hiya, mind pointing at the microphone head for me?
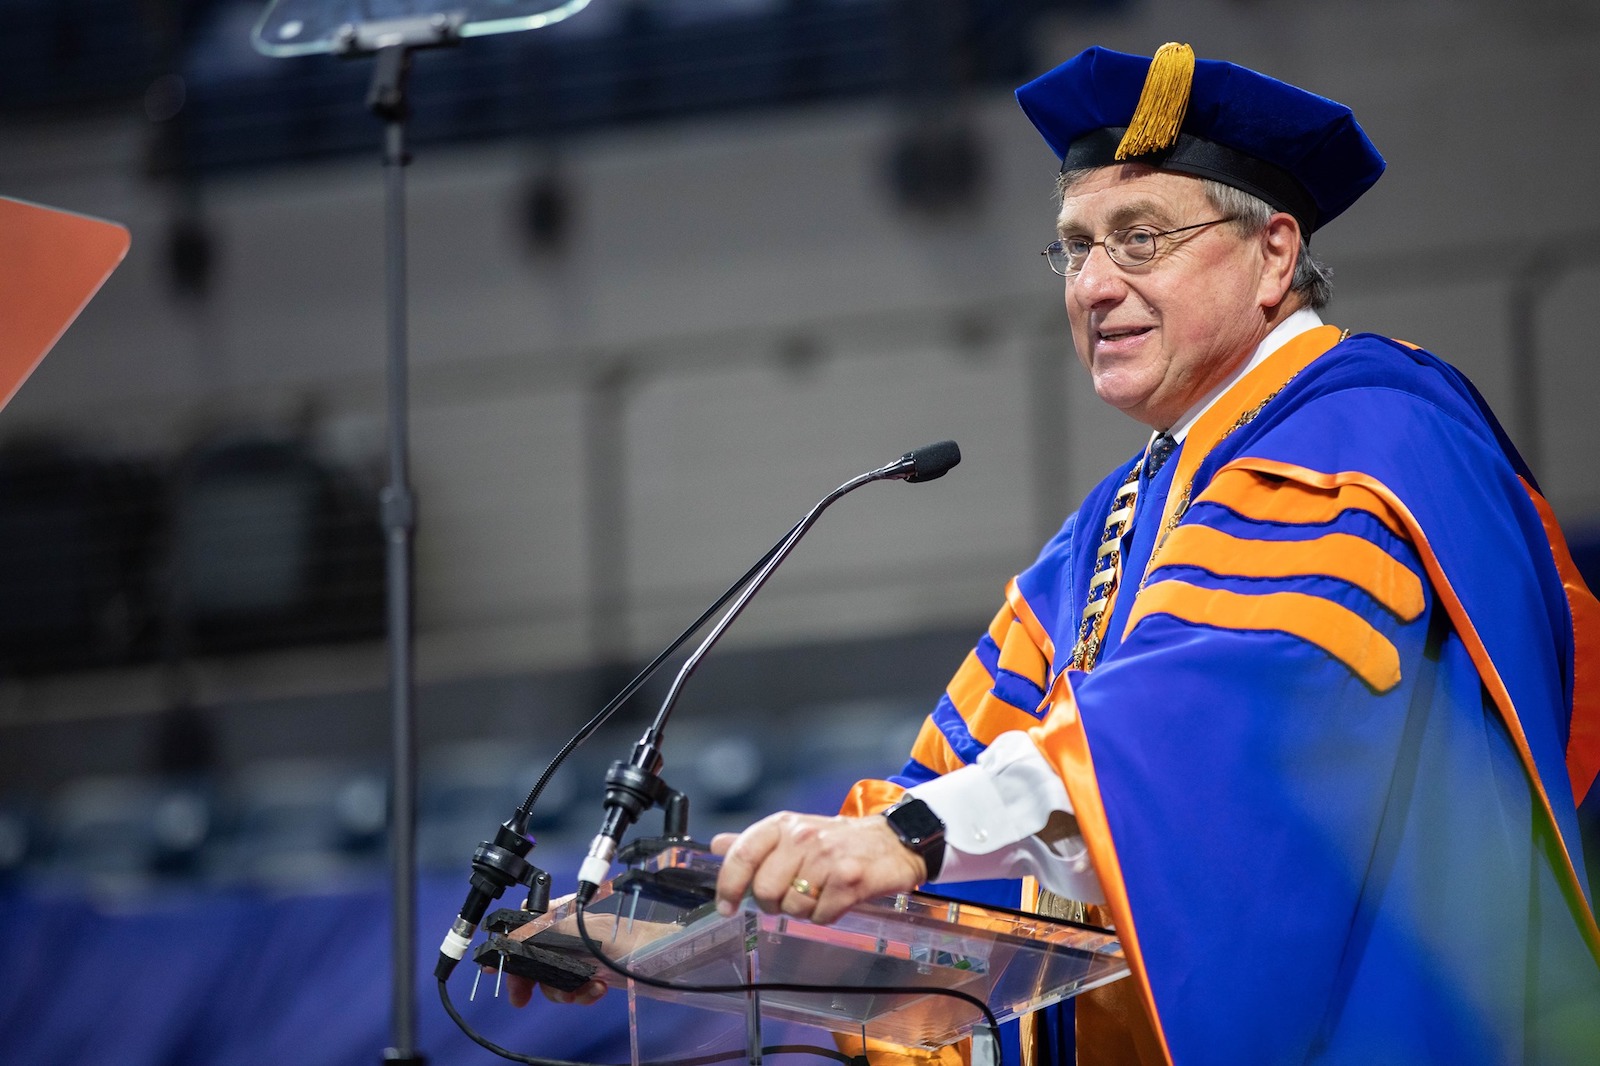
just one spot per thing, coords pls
(933, 460)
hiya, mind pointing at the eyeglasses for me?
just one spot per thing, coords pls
(1129, 247)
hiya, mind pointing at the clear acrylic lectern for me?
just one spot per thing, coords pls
(658, 920)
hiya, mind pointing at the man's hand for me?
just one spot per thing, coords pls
(520, 991)
(813, 867)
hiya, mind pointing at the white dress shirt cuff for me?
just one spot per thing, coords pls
(993, 810)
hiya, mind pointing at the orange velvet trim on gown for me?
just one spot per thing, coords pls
(1337, 630)
(1351, 559)
(1062, 740)
(1572, 885)
(1583, 740)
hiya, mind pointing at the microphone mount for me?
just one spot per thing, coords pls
(496, 866)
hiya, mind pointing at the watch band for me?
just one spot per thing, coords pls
(919, 829)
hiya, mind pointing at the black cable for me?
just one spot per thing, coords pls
(523, 812)
(484, 1042)
(786, 986)
(502, 863)
(698, 1060)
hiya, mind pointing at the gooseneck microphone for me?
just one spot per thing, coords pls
(633, 787)
(502, 862)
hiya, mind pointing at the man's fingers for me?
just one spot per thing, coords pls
(777, 885)
(740, 861)
(722, 842)
(800, 897)
(585, 995)
(830, 905)
(520, 991)
(808, 866)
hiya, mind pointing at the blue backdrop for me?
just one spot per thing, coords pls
(243, 978)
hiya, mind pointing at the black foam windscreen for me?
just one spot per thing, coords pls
(934, 460)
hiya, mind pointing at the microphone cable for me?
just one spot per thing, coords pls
(511, 844)
(698, 1060)
(632, 795)
(526, 809)
(503, 861)
(928, 463)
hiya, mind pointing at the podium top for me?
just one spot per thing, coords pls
(321, 27)
(51, 264)
(883, 966)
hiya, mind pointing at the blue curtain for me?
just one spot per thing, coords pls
(248, 979)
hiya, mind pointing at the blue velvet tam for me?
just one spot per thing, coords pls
(1301, 153)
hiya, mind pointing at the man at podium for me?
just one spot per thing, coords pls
(1305, 698)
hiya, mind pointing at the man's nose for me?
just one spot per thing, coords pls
(1100, 279)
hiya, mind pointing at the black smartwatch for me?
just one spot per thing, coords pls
(920, 830)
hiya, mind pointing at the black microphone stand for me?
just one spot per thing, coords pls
(633, 787)
(392, 43)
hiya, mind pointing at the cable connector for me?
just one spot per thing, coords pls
(496, 866)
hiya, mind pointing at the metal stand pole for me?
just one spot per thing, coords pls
(392, 44)
(398, 514)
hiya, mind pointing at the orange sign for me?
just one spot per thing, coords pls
(51, 264)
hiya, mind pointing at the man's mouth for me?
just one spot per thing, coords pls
(1112, 335)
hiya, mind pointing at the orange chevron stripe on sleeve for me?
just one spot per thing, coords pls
(970, 685)
(996, 716)
(1022, 610)
(1583, 738)
(1022, 655)
(971, 691)
(932, 750)
(1002, 622)
(1268, 499)
(1337, 630)
(972, 681)
(1348, 558)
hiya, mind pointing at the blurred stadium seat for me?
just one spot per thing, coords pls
(122, 834)
(302, 824)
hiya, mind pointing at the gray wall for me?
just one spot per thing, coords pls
(745, 319)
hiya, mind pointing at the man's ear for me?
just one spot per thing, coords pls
(1280, 248)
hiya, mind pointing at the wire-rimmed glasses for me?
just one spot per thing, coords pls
(1130, 246)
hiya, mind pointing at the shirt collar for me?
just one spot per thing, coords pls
(1297, 323)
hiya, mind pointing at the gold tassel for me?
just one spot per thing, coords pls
(1162, 102)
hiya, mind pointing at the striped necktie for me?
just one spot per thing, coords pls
(1108, 557)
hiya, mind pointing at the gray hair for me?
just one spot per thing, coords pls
(1313, 279)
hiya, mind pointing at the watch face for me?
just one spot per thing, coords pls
(915, 821)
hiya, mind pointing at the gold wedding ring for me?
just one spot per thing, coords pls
(802, 886)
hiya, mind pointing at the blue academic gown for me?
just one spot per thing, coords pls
(1336, 761)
